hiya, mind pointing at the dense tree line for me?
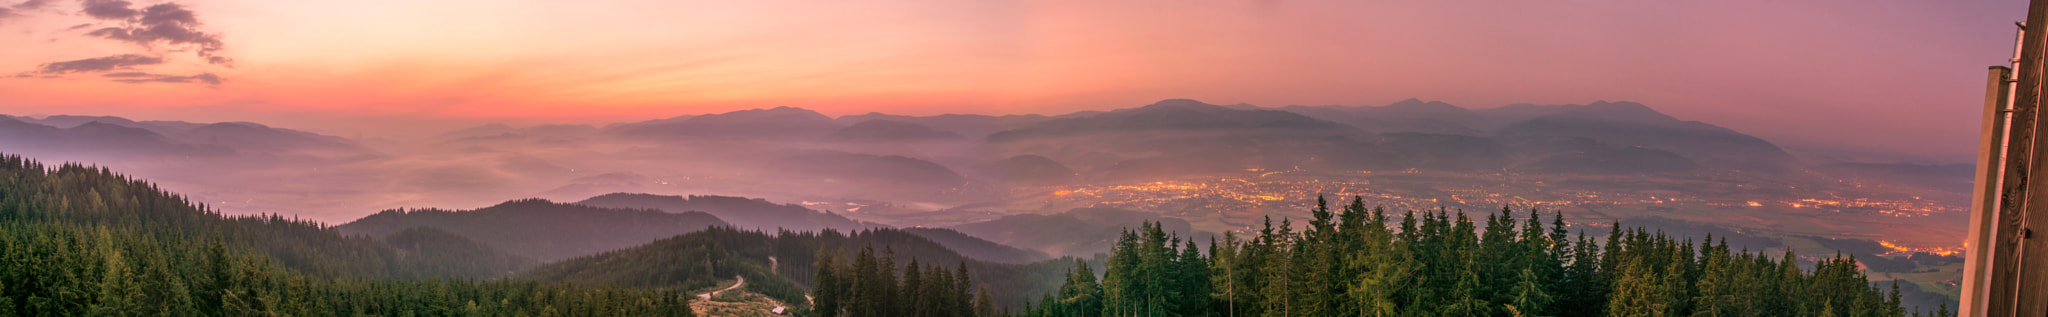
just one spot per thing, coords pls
(82, 241)
(34, 193)
(1355, 262)
(869, 285)
(1009, 284)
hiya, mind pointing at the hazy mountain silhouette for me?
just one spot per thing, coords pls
(1081, 232)
(95, 138)
(1596, 158)
(777, 123)
(1601, 137)
(871, 169)
(540, 229)
(978, 248)
(973, 126)
(1439, 152)
(1173, 115)
(744, 213)
(1631, 124)
(160, 127)
(1033, 170)
(247, 136)
(1179, 138)
(1410, 115)
(103, 135)
(885, 130)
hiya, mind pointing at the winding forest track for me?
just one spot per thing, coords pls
(707, 296)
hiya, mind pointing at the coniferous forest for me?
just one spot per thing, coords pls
(1355, 262)
(82, 241)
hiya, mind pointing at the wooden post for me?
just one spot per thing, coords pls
(2017, 267)
(1984, 213)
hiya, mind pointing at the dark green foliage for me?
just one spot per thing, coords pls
(868, 286)
(75, 194)
(1356, 263)
(446, 254)
(80, 241)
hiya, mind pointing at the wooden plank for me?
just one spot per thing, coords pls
(2016, 197)
(1985, 211)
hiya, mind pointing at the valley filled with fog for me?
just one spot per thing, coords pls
(1023, 188)
(1218, 167)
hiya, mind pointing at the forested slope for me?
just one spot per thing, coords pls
(77, 241)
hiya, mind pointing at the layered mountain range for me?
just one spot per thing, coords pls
(857, 167)
(1171, 137)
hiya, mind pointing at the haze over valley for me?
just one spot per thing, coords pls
(1214, 167)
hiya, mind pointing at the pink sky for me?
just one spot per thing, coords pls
(1888, 76)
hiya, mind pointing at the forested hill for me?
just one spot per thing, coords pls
(83, 241)
(96, 197)
(701, 259)
(541, 229)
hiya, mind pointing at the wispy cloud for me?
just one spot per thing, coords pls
(156, 28)
(100, 64)
(7, 12)
(166, 24)
(139, 77)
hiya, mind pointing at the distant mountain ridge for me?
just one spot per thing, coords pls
(1081, 232)
(66, 134)
(978, 248)
(885, 130)
(741, 212)
(1171, 115)
(775, 123)
(1539, 130)
(95, 138)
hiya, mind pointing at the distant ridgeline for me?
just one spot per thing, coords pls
(1352, 264)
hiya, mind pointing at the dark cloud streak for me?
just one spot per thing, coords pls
(101, 64)
(138, 78)
(109, 9)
